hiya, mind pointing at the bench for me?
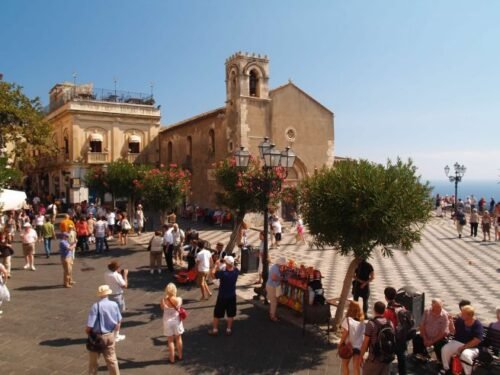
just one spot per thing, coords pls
(488, 350)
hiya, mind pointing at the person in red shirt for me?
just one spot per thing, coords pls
(82, 234)
(390, 314)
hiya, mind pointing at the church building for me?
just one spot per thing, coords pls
(286, 114)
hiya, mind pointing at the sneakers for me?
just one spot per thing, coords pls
(152, 272)
(120, 338)
(33, 268)
(159, 271)
(26, 266)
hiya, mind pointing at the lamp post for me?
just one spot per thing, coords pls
(459, 173)
(272, 158)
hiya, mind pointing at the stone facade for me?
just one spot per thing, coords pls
(94, 128)
(288, 115)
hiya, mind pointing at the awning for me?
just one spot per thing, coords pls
(11, 200)
(95, 137)
(134, 139)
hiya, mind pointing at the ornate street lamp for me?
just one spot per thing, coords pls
(272, 158)
(459, 174)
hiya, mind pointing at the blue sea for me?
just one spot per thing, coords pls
(486, 189)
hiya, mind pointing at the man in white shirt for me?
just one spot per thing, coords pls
(117, 281)
(203, 259)
(276, 225)
(29, 238)
(168, 246)
(111, 217)
(100, 234)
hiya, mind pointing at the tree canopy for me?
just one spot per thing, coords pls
(359, 206)
(22, 125)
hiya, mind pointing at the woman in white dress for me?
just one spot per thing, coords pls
(4, 291)
(172, 325)
(353, 331)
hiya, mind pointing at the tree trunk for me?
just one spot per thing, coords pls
(346, 289)
(236, 230)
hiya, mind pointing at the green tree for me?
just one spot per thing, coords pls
(8, 176)
(359, 207)
(244, 190)
(163, 188)
(22, 126)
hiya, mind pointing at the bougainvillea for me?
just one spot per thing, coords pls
(163, 188)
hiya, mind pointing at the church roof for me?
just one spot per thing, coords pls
(194, 118)
(291, 84)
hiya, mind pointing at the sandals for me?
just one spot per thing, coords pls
(229, 332)
(274, 319)
(213, 332)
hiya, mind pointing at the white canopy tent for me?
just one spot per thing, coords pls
(11, 200)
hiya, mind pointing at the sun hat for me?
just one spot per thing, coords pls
(103, 291)
(27, 225)
(229, 259)
(281, 261)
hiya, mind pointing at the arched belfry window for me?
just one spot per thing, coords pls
(211, 141)
(169, 153)
(254, 83)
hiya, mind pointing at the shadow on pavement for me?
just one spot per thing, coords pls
(63, 342)
(40, 287)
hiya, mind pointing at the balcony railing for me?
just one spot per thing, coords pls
(97, 157)
(102, 95)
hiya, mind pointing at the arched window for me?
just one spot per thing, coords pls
(254, 83)
(189, 146)
(95, 142)
(66, 142)
(169, 153)
(211, 141)
(134, 144)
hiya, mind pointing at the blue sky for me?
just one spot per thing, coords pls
(405, 78)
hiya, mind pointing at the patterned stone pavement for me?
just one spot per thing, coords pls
(441, 265)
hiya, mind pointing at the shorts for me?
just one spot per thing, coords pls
(28, 249)
(225, 306)
(277, 236)
(119, 299)
(201, 277)
(125, 231)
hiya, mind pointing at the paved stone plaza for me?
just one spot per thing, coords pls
(42, 328)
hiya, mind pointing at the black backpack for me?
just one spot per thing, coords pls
(385, 346)
(405, 329)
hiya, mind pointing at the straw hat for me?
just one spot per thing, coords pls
(103, 291)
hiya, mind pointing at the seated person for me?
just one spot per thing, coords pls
(496, 325)
(468, 333)
(316, 292)
(433, 330)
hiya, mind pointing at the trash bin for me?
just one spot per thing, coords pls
(412, 301)
(249, 259)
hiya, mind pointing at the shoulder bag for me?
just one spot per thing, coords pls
(181, 310)
(345, 349)
(95, 343)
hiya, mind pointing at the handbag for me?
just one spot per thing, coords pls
(95, 343)
(345, 350)
(183, 314)
(456, 365)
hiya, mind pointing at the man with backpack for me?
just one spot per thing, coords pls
(380, 340)
(403, 323)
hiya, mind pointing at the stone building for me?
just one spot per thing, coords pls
(286, 114)
(94, 127)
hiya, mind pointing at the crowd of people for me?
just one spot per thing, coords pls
(440, 331)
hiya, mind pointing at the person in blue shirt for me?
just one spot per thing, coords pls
(273, 283)
(226, 299)
(66, 250)
(104, 319)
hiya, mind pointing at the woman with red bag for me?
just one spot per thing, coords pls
(172, 324)
(353, 331)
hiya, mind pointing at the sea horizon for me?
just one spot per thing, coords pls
(479, 188)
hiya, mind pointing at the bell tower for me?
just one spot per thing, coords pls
(247, 97)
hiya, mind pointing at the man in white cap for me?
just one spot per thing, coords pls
(104, 320)
(226, 299)
(29, 238)
(273, 282)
